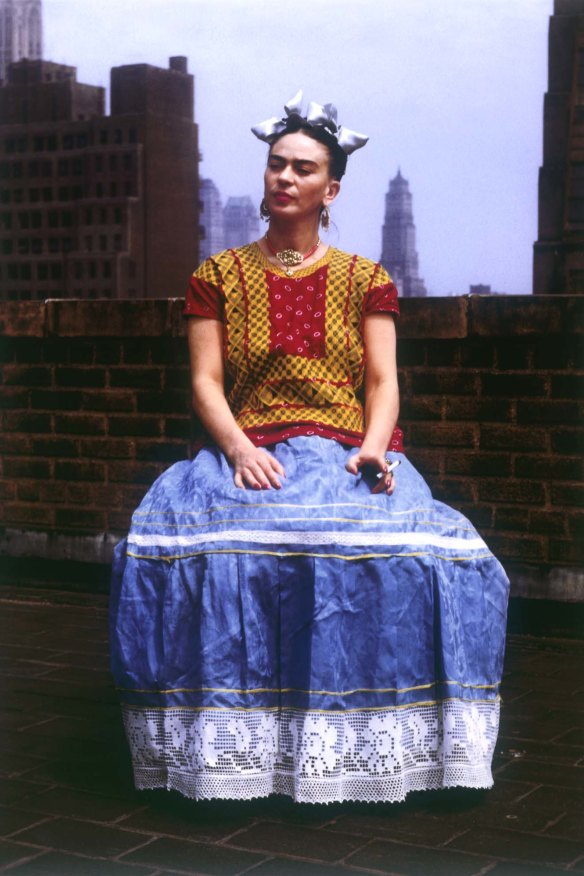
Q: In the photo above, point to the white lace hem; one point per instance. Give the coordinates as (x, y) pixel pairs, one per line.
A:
(313, 757)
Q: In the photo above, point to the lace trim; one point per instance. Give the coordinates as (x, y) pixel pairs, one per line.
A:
(313, 757)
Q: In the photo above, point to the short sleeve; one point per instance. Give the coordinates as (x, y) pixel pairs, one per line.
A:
(204, 296)
(381, 295)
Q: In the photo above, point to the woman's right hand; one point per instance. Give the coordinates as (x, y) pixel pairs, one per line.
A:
(256, 468)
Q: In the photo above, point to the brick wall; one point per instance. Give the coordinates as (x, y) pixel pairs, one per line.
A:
(96, 403)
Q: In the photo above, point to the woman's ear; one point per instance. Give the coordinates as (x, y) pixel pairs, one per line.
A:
(332, 191)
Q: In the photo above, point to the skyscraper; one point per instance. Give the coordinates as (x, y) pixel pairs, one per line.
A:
(21, 32)
(241, 221)
(398, 253)
(96, 206)
(211, 231)
(558, 257)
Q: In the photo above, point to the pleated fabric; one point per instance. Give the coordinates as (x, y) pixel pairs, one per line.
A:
(316, 641)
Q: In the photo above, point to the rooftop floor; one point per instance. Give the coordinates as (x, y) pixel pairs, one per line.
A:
(68, 807)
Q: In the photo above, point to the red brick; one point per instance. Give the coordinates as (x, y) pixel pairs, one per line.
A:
(504, 437)
(513, 385)
(178, 427)
(568, 386)
(567, 440)
(421, 409)
(478, 354)
(546, 467)
(52, 491)
(13, 397)
(443, 352)
(161, 451)
(426, 460)
(514, 355)
(55, 447)
(34, 515)
(134, 473)
(79, 518)
(26, 421)
(136, 351)
(25, 375)
(144, 426)
(445, 382)
(410, 353)
(515, 547)
(22, 318)
(557, 351)
(443, 434)
(567, 494)
(21, 445)
(512, 518)
(29, 491)
(169, 351)
(496, 464)
(83, 494)
(108, 448)
(80, 424)
(7, 490)
(433, 318)
(478, 409)
(108, 351)
(84, 377)
(27, 468)
(80, 470)
(169, 401)
(55, 399)
(547, 522)
(480, 515)
(177, 378)
(451, 490)
(566, 550)
(504, 490)
(108, 400)
(136, 378)
(563, 412)
(119, 521)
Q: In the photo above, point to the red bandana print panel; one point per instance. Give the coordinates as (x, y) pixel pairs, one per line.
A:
(297, 314)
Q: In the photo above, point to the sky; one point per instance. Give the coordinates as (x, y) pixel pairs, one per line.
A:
(449, 91)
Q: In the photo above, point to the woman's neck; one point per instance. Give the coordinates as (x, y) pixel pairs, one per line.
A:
(300, 237)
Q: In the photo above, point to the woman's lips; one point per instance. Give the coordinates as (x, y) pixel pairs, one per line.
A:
(282, 197)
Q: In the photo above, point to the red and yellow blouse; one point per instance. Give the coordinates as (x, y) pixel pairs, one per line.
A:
(293, 346)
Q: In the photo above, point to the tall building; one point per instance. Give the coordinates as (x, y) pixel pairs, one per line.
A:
(241, 221)
(94, 205)
(398, 252)
(558, 258)
(21, 32)
(211, 231)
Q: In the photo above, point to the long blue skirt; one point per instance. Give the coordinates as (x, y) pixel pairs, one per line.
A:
(317, 641)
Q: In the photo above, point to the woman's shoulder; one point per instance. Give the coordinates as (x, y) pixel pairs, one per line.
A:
(362, 268)
(222, 263)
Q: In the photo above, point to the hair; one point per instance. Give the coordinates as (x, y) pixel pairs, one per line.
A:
(338, 158)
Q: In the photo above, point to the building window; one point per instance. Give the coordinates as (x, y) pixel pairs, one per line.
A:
(36, 245)
(103, 137)
(47, 195)
(99, 190)
(42, 271)
(36, 219)
(81, 141)
(13, 272)
(34, 195)
(33, 168)
(68, 141)
(129, 189)
(92, 270)
(114, 190)
(23, 246)
(53, 244)
(132, 138)
(78, 270)
(6, 221)
(53, 218)
(89, 216)
(6, 247)
(17, 170)
(17, 196)
(103, 215)
(78, 168)
(52, 143)
(89, 244)
(118, 136)
(118, 215)
(63, 167)
(67, 219)
(117, 242)
(23, 220)
(113, 162)
(5, 196)
(25, 272)
(99, 163)
(56, 271)
(103, 242)
(64, 193)
(47, 168)
(21, 144)
(38, 144)
(107, 270)
(67, 244)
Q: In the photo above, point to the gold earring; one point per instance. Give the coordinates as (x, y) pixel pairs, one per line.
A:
(264, 212)
(325, 218)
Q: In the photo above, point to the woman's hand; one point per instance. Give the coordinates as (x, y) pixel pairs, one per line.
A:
(375, 460)
(257, 468)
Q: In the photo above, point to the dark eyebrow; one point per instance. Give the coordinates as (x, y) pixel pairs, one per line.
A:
(299, 162)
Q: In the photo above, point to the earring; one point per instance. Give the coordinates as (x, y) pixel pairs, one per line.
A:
(325, 218)
(264, 212)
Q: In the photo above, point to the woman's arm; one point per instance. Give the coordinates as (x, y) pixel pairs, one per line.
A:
(253, 466)
(381, 396)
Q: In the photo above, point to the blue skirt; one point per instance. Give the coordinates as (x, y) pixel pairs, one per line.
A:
(317, 641)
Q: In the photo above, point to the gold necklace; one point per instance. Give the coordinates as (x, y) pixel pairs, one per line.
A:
(289, 258)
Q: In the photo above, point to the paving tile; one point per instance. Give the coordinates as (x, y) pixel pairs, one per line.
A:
(187, 820)
(544, 773)
(509, 868)
(11, 852)
(529, 749)
(521, 846)
(12, 790)
(571, 825)
(190, 857)
(289, 867)
(293, 839)
(556, 799)
(12, 820)
(411, 860)
(79, 805)
(57, 864)
(14, 764)
(70, 835)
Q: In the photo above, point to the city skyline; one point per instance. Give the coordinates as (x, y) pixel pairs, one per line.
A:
(453, 96)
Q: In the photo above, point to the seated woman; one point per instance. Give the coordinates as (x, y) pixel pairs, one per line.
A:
(289, 615)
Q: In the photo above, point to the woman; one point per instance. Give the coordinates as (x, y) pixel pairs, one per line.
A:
(290, 612)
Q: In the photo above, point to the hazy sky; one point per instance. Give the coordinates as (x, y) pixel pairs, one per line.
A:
(450, 91)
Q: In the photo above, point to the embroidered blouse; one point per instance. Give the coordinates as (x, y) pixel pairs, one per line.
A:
(293, 346)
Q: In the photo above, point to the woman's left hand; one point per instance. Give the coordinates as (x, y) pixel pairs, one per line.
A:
(375, 460)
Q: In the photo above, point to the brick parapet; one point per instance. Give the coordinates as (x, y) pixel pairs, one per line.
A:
(96, 404)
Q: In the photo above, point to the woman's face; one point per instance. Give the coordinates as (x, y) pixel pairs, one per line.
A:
(297, 181)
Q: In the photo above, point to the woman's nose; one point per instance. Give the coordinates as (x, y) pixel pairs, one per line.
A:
(285, 175)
